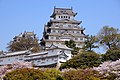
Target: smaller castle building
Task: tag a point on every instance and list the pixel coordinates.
(51, 58)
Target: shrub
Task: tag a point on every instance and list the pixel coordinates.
(53, 74)
(112, 55)
(82, 74)
(25, 74)
(83, 60)
(34, 74)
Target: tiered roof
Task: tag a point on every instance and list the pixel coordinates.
(61, 11)
(66, 21)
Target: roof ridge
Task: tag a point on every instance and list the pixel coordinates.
(64, 8)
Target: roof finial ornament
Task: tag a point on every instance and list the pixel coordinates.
(71, 8)
(54, 7)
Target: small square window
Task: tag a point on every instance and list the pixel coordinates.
(56, 25)
(61, 25)
(81, 38)
(69, 17)
(57, 37)
(61, 11)
(53, 30)
(51, 37)
(1, 60)
(69, 25)
(76, 38)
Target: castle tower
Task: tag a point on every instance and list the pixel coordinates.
(63, 27)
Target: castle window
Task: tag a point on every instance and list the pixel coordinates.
(21, 59)
(81, 38)
(42, 62)
(78, 32)
(61, 11)
(61, 16)
(78, 44)
(69, 17)
(16, 58)
(56, 25)
(57, 37)
(76, 38)
(64, 16)
(61, 25)
(51, 37)
(38, 61)
(1, 60)
(69, 25)
(43, 59)
(52, 58)
(53, 30)
(52, 50)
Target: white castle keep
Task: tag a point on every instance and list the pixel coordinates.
(63, 27)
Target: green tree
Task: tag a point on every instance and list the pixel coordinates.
(24, 44)
(83, 60)
(112, 55)
(109, 37)
(90, 43)
(53, 74)
(70, 44)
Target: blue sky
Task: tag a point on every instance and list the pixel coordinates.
(17, 16)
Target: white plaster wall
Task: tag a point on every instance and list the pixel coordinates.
(11, 59)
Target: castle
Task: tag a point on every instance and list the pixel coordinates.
(61, 27)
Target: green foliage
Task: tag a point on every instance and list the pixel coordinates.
(53, 74)
(109, 37)
(24, 44)
(70, 44)
(112, 77)
(112, 55)
(25, 74)
(34, 74)
(82, 74)
(83, 60)
(75, 51)
(90, 43)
